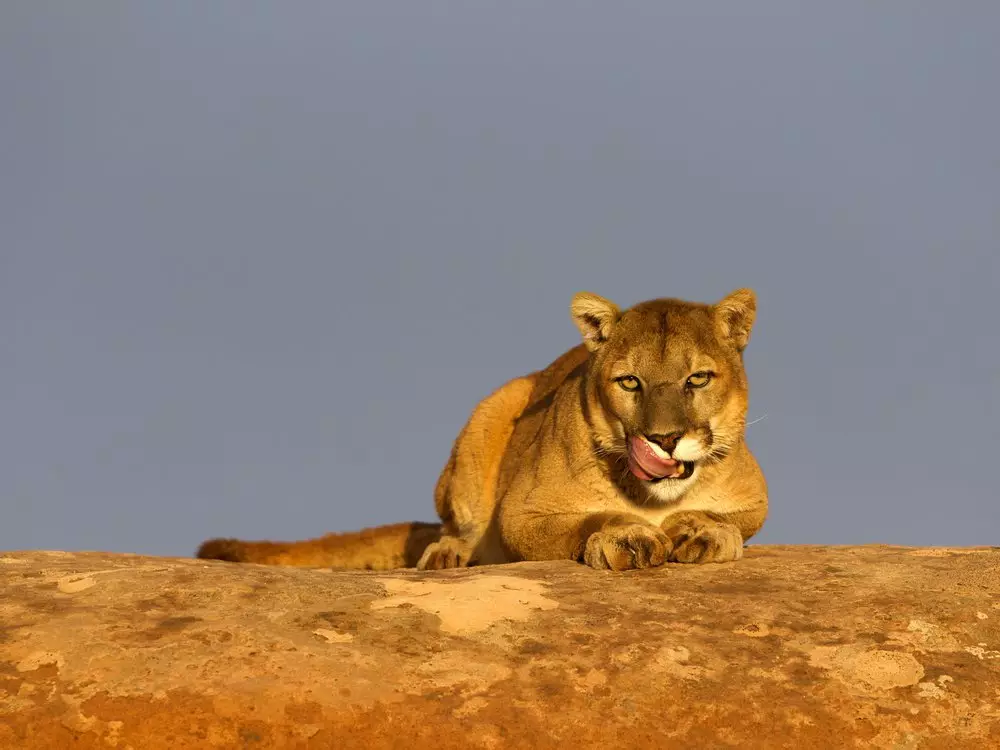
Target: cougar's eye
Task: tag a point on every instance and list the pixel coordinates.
(629, 382)
(698, 380)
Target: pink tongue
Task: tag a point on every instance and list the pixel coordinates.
(645, 464)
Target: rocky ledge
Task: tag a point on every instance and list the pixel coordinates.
(791, 647)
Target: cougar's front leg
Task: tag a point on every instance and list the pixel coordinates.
(606, 541)
(698, 537)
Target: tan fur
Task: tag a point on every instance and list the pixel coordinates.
(540, 471)
(381, 548)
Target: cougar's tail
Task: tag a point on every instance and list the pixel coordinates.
(397, 545)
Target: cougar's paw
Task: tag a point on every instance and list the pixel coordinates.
(695, 539)
(449, 552)
(625, 547)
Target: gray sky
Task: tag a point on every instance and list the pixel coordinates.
(259, 261)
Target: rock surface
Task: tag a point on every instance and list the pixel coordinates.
(797, 647)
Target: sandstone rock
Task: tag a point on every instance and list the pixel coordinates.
(791, 647)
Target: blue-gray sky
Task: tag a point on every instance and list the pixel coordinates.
(260, 260)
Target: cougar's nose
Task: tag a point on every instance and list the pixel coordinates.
(668, 441)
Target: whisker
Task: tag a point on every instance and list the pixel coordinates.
(759, 419)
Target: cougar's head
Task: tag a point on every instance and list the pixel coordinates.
(669, 378)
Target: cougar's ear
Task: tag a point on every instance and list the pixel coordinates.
(734, 316)
(595, 317)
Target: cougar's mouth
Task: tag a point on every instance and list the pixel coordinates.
(647, 464)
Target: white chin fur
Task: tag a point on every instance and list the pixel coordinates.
(668, 490)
